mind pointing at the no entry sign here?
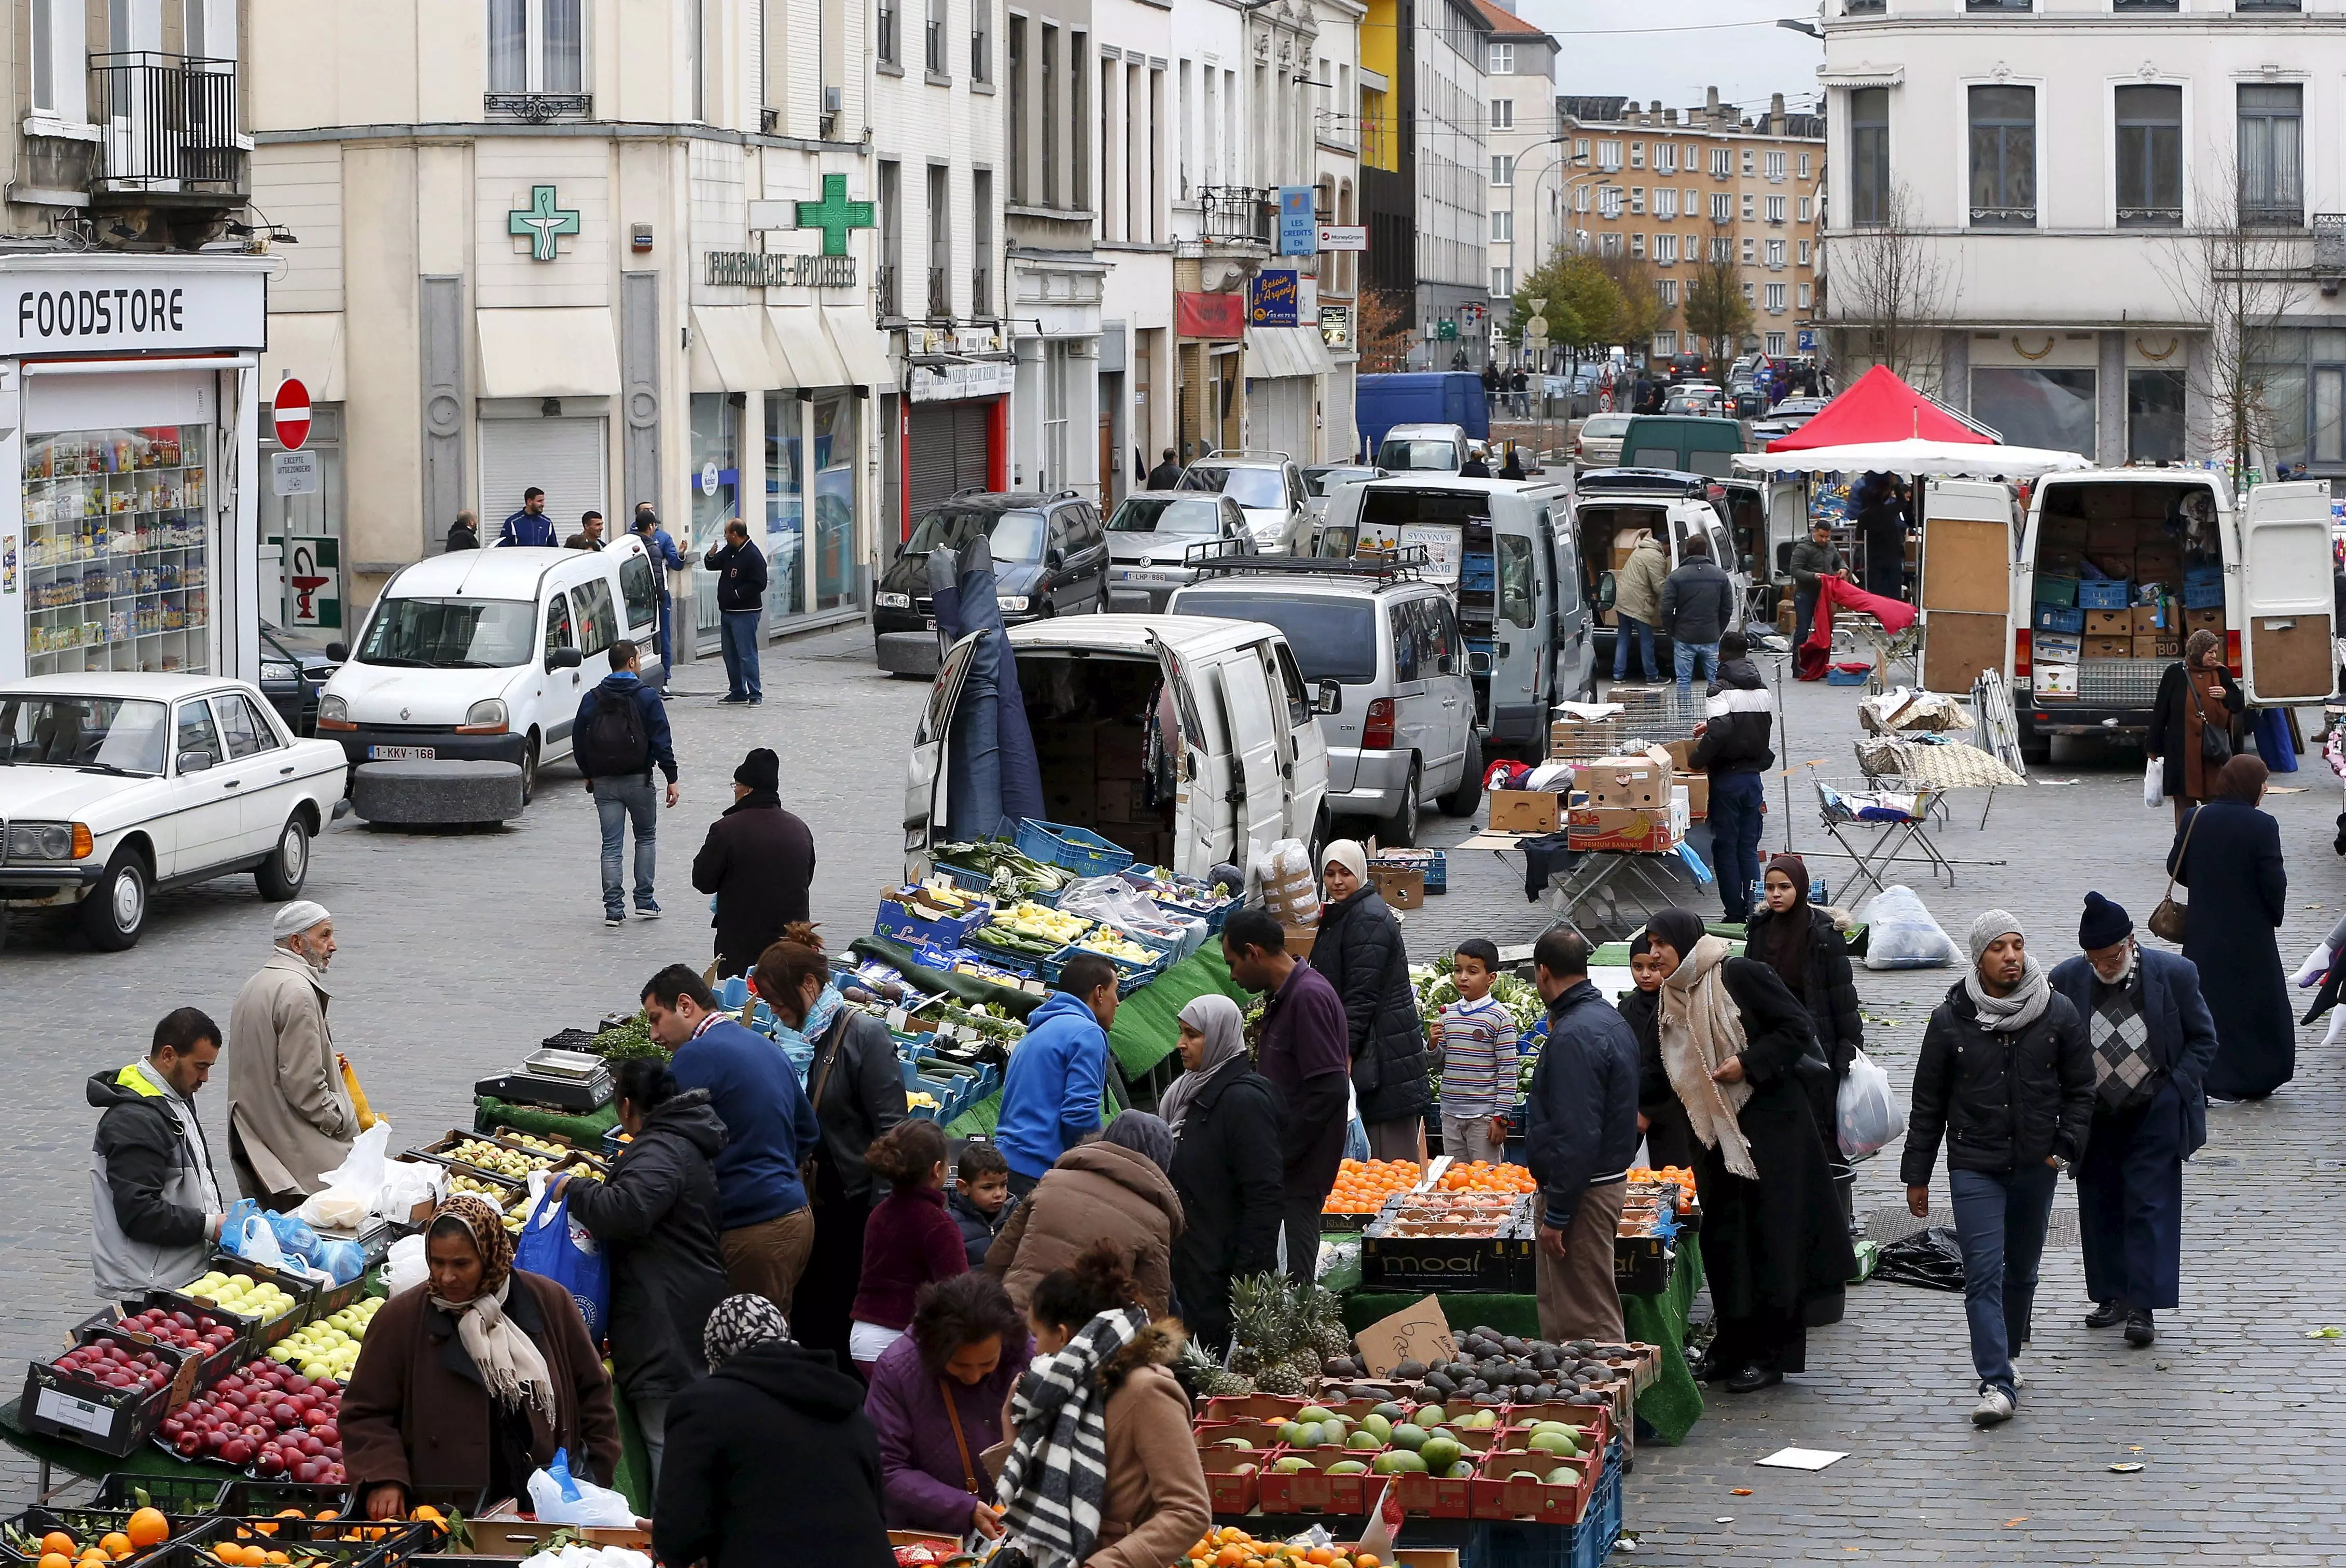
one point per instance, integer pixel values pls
(293, 413)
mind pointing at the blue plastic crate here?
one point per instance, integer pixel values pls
(1079, 849)
(2204, 595)
(2192, 575)
(2059, 618)
(2111, 595)
(1478, 573)
(2055, 590)
(1839, 677)
(1588, 1544)
(899, 921)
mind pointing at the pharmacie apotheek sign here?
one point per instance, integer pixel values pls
(769, 270)
(45, 312)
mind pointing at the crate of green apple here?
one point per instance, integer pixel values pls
(266, 1419)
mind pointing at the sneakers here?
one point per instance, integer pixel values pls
(2139, 1329)
(2017, 1380)
(648, 912)
(615, 917)
(755, 701)
(734, 697)
(2105, 1315)
(1995, 1407)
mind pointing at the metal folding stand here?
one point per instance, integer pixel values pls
(1891, 844)
(1889, 648)
(1618, 881)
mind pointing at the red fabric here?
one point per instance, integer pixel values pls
(1813, 657)
(1210, 315)
(1878, 406)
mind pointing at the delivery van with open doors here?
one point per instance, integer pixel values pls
(2085, 654)
(1192, 742)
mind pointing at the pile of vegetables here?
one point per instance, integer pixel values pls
(1011, 876)
(1032, 929)
(1436, 991)
(632, 1038)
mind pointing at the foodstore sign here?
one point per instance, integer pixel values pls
(43, 311)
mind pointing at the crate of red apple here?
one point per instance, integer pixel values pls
(268, 1421)
(108, 1392)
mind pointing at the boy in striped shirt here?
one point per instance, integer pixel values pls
(1474, 1039)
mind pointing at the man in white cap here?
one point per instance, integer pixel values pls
(290, 1116)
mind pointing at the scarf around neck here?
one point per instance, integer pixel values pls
(2009, 1014)
(513, 1368)
(1700, 1028)
(1055, 1480)
(1217, 1018)
(809, 1034)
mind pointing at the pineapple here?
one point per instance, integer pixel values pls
(1246, 1360)
(1206, 1379)
(1305, 1364)
(1282, 1378)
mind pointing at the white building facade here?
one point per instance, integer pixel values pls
(2054, 161)
(1132, 235)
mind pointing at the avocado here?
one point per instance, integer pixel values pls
(1390, 1411)
(1428, 1415)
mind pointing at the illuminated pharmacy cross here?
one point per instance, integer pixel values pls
(541, 220)
(835, 215)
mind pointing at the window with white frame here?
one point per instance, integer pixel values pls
(1503, 114)
(1637, 200)
(1775, 168)
(1807, 209)
(1807, 296)
(1722, 249)
(1608, 201)
(1693, 200)
(1748, 294)
(1807, 165)
(1665, 202)
(1636, 247)
(1608, 156)
(1808, 249)
(1666, 157)
(1503, 63)
(1503, 225)
(1776, 292)
(1610, 245)
(1580, 199)
(1636, 155)
(1722, 208)
(2004, 155)
(1777, 208)
(1772, 345)
(1666, 249)
(1666, 343)
(1580, 149)
(1667, 290)
(1750, 248)
(60, 61)
(539, 45)
(1723, 162)
(1775, 255)
(1502, 283)
(1502, 168)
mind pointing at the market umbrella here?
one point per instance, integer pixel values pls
(1880, 406)
(1942, 459)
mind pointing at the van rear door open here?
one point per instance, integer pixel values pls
(1521, 658)
(2286, 654)
(1966, 581)
(1238, 680)
(924, 785)
(1202, 817)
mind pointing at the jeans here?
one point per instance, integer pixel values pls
(1738, 805)
(1684, 655)
(741, 633)
(1804, 615)
(2000, 1223)
(667, 639)
(1644, 631)
(616, 801)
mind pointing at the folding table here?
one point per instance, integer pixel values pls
(1902, 822)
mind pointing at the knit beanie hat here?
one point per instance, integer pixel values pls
(762, 769)
(2104, 924)
(1991, 924)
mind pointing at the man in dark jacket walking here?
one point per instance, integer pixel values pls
(758, 860)
(2153, 1040)
(740, 571)
(1359, 950)
(530, 525)
(1731, 745)
(621, 732)
(1697, 607)
(155, 1201)
(1581, 1138)
(2006, 1078)
(1166, 474)
(1302, 1052)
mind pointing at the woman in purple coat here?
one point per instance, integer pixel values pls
(937, 1396)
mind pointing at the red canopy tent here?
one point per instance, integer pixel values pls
(1878, 406)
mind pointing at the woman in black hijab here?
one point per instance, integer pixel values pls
(1799, 941)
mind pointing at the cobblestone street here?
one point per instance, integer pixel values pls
(461, 951)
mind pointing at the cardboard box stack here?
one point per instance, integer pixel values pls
(1633, 803)
(1092, 778)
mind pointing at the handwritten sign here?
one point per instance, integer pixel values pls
(1415, 1333)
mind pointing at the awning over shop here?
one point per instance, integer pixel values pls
(1276, 352)
(730, 352)
(308, 344)
(553, 351)
(803, 343)
(861, 346)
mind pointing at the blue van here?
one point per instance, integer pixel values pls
(1419, 397)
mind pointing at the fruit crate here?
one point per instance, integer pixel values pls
(303, 1290)
(250, 1499)
(1079, 849)
(314, 1542)
(1317, 1492)
(209, 1369)
(1232, 1478)
(62, 1402)
(1471, 1255)
(178, 1496)
(88, 1524)
(1586, 1544)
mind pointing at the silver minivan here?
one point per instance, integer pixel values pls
(1403, 733)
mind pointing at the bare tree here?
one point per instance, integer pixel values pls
(1716, 311)
(2237, 279)
(1891, 293)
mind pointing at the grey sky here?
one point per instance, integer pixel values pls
(1690, 50)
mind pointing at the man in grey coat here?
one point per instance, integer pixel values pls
(1637, 604)
(155, 1203)
(1698, 609)
(290, 1116)
(1812, 557)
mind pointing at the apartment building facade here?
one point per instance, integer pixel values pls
(1708, 187)
(2081, 180)
(1522, 119)
(1452, 172)
(1132, 235)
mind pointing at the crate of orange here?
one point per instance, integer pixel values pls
(95, 1537)
(1363, 1190)
(1231, 1547)
(1481, 1175)
(295, 1537)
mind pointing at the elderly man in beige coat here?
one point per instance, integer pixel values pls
(290, 1116)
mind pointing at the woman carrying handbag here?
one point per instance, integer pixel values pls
(2191, 721)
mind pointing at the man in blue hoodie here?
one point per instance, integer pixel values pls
(622, 729)
(1051, 1095)
(764, 1224)
(530, 525)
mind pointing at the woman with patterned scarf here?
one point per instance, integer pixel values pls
(473, 1378)
(1102, 1472)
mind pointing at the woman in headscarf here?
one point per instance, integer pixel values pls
(1103, 1472)
(1799, 941)
(1661, 1120)
(2229, 854)
(1740, 1054)
(2007, 1078)
(1111, 1188)
(770, 1458)
(2193, 694)
(1226, 1166)
(473, 1378)
(1358, 952)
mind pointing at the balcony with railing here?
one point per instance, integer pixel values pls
(540, 108)
(1237, 215)
(940, 296)
(884, 293)
(981, 294)
(168, 131)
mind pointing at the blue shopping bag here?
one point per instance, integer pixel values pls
(557, 1246)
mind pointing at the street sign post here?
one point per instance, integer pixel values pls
(293, 413)
(293, 472)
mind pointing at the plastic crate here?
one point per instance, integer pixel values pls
(1079, 849)
(268, 1498)
(178, 1495)
(899, 922)
(2204, 595)
(315, 1543)
(2057, 590)
(88, 1524)
(1478, 573)
(1588, 1544)
(2058, 618)
(211, 1368)
(2112, 595)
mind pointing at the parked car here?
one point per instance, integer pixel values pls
(1786, 417)
(1149, 533)
(1598, 444)
(1050, 558)
(1320, 478)
(291, 679)
(1424, 449)
(1682, 443)
(1694, 398)
(481, 656)
(117, 785)
(1402, 733)
(1245, 765)
(1267, 487)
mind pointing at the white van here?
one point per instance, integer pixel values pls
(1981, 560)
(1244, 764)
(484, 655)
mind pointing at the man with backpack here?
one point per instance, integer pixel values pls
(622, 730)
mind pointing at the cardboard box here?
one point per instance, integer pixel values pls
(2056, 649)
(1072, 805)
(2208, 620)
(2157, 564)
(2109, 624)
(1698, 792)
(1118, 801)
(2163, 645)
(1402, 887)
(2066, 533)
(1523, 811)
(2106, 647)
(2055, 680)
(2147, 620)
(1624, 781)
(1299, 940)
(1119, 751)
(1635, 829)
(1681, 753)
(2115, 535)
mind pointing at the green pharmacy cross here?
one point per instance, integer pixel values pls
(835, 215)
(541, 221)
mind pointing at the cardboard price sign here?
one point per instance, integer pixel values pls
(1415, 1333)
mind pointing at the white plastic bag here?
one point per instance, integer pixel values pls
(406, 1184)
(1290, 888)
(557, 1497)
(251, 1239)
(1901, 933)
(403, 1268)
(1867, 1117)
(2154, 782)
(349, 1191)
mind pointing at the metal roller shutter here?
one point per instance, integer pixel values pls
(971, 421)
(932, 436)
(564, 457)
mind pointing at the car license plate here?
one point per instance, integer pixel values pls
(929, 623)
(403, 754)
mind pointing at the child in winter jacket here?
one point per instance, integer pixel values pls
(980, 1201)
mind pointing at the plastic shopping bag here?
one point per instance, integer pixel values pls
(246, 1232)
(558, 1247)
(557, 1497)
(349, 1191)
(403, 1268)
(2154, 782)
(1901, 933)
(1867, 1117)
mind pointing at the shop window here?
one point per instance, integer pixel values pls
(785, 507)
(716, 492)
(599, 618)
(2154, 415)
(834, 503)
(2033, 407)
(117, 554)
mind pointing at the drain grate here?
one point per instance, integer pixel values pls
(1883, 1226)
